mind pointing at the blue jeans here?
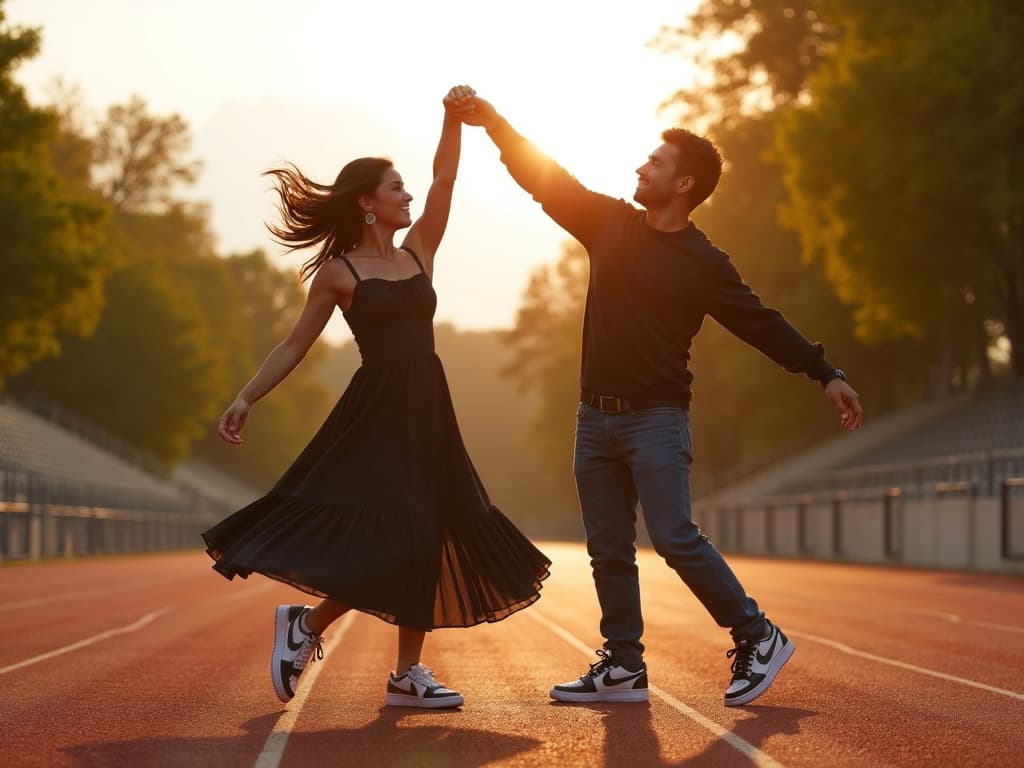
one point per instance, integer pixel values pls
(645, 456)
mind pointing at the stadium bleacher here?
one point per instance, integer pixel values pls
(80, 469)
(951, 434)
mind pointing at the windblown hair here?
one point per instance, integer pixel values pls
(699, 158)
(328, 216)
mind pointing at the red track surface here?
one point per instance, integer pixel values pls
(185, 681)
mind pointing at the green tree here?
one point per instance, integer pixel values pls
(168, 294)
(141, 158)
(52, 264)
(264, 304)
(546, 347)
(904, 170)
(143, 375)
(781, 43)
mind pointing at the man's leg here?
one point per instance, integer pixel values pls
(608, 505)
(659, 452)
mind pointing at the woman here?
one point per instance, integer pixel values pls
(383, 511)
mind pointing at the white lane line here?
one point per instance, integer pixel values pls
(245, 593)
(273, 749)
(844, 648)
(81, 593)
(134, 627)
(758, 757)
(956, 618)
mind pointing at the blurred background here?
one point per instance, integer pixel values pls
(873, 193)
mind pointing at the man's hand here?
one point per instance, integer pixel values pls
(477, 111)
(458, 99)
(847, 402)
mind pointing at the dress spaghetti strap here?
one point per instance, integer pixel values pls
(412, 253)
(353, 269)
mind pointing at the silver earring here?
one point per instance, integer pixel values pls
(370, 218)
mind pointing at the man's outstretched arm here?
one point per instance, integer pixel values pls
(575, 208)
(739, 309)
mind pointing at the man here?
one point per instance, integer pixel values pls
(653, 278)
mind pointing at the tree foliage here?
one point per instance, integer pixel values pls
(51, 264)
(905, 169)
(780, 44)
(260, 305)
(141, 158)
(546, 348)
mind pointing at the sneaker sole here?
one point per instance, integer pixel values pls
(785, 654)
(635, 694)
(404, 700)
(280, 643)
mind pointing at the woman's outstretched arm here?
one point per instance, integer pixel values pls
(324, 296)
(425, 235)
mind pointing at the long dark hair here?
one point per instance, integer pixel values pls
(313, 213)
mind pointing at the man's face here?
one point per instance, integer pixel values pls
(658, 181)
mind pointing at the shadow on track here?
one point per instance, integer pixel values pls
(630, 738)
(382, 742)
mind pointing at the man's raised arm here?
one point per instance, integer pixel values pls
(573, 207)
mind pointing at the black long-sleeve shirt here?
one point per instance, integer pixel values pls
(649, 290)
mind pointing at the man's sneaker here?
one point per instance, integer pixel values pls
(756, 665)
(606, 681)
(418, 688)
(292, 649)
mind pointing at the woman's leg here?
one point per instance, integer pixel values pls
(323, 615)
(410, 643)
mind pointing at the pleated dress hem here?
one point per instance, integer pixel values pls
(479, 590)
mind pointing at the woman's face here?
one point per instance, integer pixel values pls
(390, 201)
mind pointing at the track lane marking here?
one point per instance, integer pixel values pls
(242, 594)
(747, 749)
(273, 749)
(28, 602)
(133, 627)
(844, 648)
(956, 618)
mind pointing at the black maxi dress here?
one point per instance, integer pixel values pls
(383, 509)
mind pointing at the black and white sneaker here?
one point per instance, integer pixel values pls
(606, 681)
(418, 688)
(756, 665)
(293, 649)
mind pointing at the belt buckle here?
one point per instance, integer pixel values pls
(617, 401)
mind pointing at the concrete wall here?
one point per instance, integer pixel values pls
(950, 528)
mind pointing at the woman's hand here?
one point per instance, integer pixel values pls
(233, 420)
(458, 99)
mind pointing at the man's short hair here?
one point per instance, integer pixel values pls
(699, 158)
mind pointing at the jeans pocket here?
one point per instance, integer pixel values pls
(580, 410)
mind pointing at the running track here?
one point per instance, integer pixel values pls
(158, 661)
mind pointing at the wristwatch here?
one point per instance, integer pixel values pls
(837, 373)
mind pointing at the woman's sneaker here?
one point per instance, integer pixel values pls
(293, 649)
(606, 681)
(756, 665)
(418, 688)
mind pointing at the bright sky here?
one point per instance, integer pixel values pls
(319, 83)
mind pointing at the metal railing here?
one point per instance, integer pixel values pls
(730, 519)
(986, 471)
(42, 517)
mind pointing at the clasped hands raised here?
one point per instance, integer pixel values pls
(463, 103)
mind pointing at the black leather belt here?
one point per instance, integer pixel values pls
(605, 403)
(615, 404)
